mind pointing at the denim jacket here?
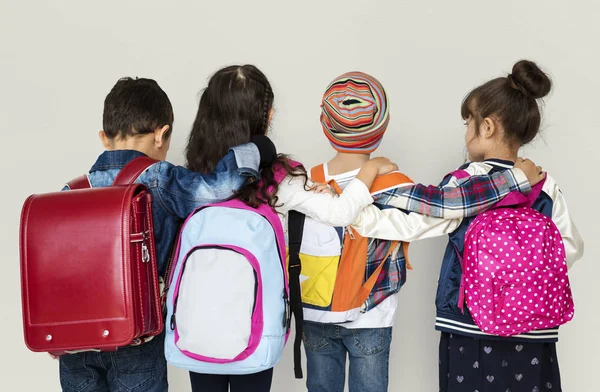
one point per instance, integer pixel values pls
(177, 191)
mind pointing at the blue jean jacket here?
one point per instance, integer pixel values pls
(177, 191)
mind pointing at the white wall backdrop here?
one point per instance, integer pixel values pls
(58, 60)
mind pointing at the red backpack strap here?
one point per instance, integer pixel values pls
(81, 182)
(133, 170)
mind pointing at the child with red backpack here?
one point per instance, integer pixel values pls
(138, 122)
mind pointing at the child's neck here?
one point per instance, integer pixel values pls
(131, 143)
(344, 162)
(505, 153)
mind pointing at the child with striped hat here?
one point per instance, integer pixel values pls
(349, 282)
(355, 114)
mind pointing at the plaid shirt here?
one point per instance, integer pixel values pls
(467, 197)
(392, 275)
(458, 199)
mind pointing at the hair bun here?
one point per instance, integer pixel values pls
(528, 78)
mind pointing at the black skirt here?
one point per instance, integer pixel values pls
(480, 365)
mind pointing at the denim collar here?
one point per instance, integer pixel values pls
(115, 159)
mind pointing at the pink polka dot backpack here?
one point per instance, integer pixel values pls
(514, 269)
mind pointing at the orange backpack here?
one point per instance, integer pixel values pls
(336, 287)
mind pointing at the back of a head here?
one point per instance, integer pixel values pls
(512, 100)
(355, 113)
(135, 107)
(234, 107)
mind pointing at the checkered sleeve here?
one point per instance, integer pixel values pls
(458, 196)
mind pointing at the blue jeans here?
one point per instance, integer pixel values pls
(326, 348)
(131, 369)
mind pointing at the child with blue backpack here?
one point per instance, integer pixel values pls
(503, 339)
(138, 121)
(236, 106)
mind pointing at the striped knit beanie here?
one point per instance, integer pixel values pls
(355, 113)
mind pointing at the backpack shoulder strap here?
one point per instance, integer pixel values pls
(390, 180)
(279, 171)
(317, 174)
(295, 231)
(133, 170)
(126, 176)
(81, 182)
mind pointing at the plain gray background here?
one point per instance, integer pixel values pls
(59, 59)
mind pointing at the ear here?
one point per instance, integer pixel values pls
(106, 141)
(489, 128)
(160, 136)
(271, 114)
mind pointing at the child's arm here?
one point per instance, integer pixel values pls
(181, 190)
(560, 215)
(397, 225)
(401, 225)
(326, 208)
(458, 197)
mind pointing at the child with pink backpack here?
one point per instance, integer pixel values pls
(503, 289)
(513, 261)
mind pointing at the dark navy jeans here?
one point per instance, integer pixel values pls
(130, 369)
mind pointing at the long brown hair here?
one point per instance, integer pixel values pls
(235, 106)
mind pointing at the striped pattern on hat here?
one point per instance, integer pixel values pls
(355, 113)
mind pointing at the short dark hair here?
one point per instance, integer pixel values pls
(513, 100)
(135, 107)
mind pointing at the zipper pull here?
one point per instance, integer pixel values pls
(349, 233)
(173, 322)
(461, 295)
(287, 316)
(500, 303)
(145, 253)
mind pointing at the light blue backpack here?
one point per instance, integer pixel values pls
(228, 304)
